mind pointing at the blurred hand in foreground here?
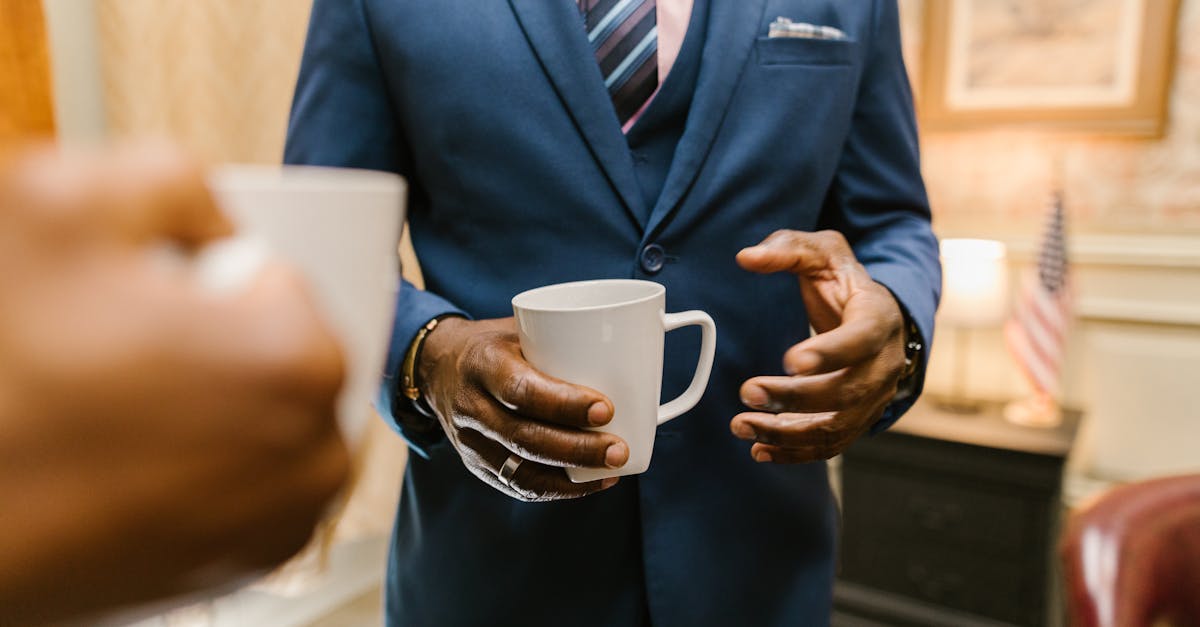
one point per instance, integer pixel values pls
(155, 437)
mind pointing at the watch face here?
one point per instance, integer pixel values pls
(912, 351)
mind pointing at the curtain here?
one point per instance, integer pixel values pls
(215, 75)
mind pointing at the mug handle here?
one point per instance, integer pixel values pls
(708, 350)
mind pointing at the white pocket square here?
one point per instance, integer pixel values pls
(783, 27)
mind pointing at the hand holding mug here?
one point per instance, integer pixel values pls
(340, 228)
(839, 381)
(610, 335)
(494, 405)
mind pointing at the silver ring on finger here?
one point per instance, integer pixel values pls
(509, 469)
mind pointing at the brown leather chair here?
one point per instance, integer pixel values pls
(1132, 558)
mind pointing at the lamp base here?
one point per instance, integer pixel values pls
(1038, 412)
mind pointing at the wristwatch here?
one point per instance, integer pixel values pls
(914, 355)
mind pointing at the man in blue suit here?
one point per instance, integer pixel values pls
(762, 165)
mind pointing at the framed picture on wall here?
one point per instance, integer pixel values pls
(1097, 66)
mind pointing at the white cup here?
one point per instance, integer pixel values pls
(608, 336)
(341, 229)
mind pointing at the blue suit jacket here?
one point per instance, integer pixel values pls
(520, 177)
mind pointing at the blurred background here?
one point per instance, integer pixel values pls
(1095, 103)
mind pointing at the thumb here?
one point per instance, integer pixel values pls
(156, 192)
(794, 251)
(135, 194)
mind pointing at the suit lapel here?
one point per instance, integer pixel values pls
(733, 27)
(568, 59)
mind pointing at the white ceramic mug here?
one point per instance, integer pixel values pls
(341, 229)
(609, 336)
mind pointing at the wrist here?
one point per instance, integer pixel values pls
(425, 352)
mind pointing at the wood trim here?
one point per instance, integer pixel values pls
(1145, 117)
(26, 96)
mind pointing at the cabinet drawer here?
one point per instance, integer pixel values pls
(995, 588)
(933, 509)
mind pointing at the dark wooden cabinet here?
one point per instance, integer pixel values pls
(950, 520)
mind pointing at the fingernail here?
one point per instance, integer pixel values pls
(762, 457)
(616, 455)
(754, 396)
(599, 414)
(743, 431)
(608, 483)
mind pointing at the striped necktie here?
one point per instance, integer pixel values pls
(624, 36)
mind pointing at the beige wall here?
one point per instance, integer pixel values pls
(1134, 215)
(996, 181)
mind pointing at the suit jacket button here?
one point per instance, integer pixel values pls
(653, 259)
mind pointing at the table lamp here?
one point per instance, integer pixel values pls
(974, 296)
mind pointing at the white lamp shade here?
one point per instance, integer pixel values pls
(974, 284)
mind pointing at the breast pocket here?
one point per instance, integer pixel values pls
(809, 52)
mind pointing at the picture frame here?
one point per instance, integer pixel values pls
(1094, 66)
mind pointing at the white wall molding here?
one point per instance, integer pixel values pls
(1137, 279)
(78, 84)
(1128, 250)
(1110, 309)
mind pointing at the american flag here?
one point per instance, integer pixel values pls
(1037, 332)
